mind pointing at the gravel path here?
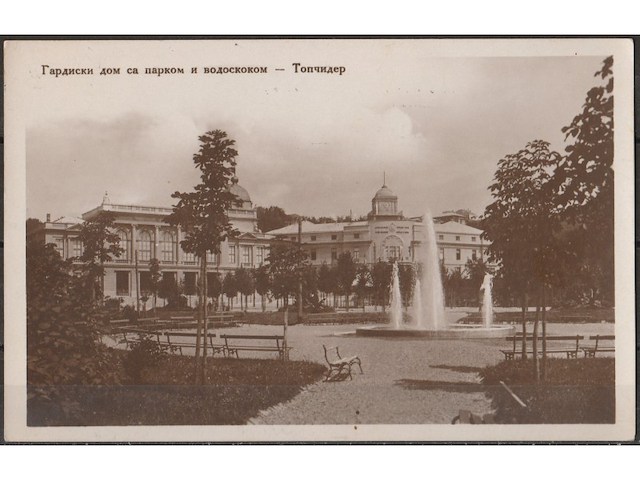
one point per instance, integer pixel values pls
(405, 381)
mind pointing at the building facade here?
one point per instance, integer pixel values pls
(387, 235)
(144, 235)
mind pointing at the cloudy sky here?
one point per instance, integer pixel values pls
(315, 144)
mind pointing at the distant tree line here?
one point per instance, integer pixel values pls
(274, 217)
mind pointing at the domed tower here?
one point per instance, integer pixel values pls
(384, 204)
(242, 194)
(242, 214)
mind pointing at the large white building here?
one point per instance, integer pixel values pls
(144, 235)
(387, 235)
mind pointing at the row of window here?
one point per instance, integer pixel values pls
(314, 238)
(167, 251)
(474, 254)
(123, 283)
(355, 254)
(441, 237)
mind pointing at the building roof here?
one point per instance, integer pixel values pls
(449, 214)
(455, 227)
(309, 227)
(69, 220)
(239, 191)
(385, 192)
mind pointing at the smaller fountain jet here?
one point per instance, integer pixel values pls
(487, 300)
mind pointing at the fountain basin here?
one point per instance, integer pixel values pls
(457, 331)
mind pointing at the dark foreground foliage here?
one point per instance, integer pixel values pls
(234, 391)
(576, 391)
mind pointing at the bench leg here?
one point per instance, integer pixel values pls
(357, 362)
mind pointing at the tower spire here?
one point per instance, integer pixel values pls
(384, 178)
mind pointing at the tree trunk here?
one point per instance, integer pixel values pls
(544, 332)
(536, 362)
(198, 332)
(203, 299)
(524, 324)
(347, 298)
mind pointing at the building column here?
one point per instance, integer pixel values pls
(179, 250)
(134, 249)
(156, 239)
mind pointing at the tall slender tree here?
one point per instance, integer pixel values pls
(99, 245)
(202, 215)
(381, 280)
(263, 284)
(346, 270)
(286, 266)
(522, 225)
(155, 277)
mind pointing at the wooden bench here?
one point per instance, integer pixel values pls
(180, 340)
(255, 343)
(593, 350)
(172, 340)
(339, 365)
(516, 351)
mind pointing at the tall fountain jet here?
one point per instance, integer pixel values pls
(396, 300)
(487, 300)
(418, 311)
(432, 295)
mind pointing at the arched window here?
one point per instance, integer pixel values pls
(168, 246)
(124, 245)
(144, 246)
(392, 246)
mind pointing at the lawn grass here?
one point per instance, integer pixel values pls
(575, 391)
(234, 391)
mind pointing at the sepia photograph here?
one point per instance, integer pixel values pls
(337, 240)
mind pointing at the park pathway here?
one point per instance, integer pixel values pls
(406, 381)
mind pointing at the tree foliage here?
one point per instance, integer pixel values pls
(202, 213)
(381, 280)
(584, 182)
(272, 218)
(62, 332)
(286, 264)
(100, 244)
(263, 283)
(346, 269)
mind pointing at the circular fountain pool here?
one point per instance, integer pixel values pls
(456, 331)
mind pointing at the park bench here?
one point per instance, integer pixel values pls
(180, 340)
(339, 366)
(255, 343)
(516, 350)
(598, 347)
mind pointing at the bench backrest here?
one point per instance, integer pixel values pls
(330, 349)
(602, 337)
(253, 337)
(549, 337)
(186, 335)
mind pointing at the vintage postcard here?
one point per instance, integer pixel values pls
(279, 240)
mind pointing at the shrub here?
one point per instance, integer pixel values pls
(144, 353)
(130, 313)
